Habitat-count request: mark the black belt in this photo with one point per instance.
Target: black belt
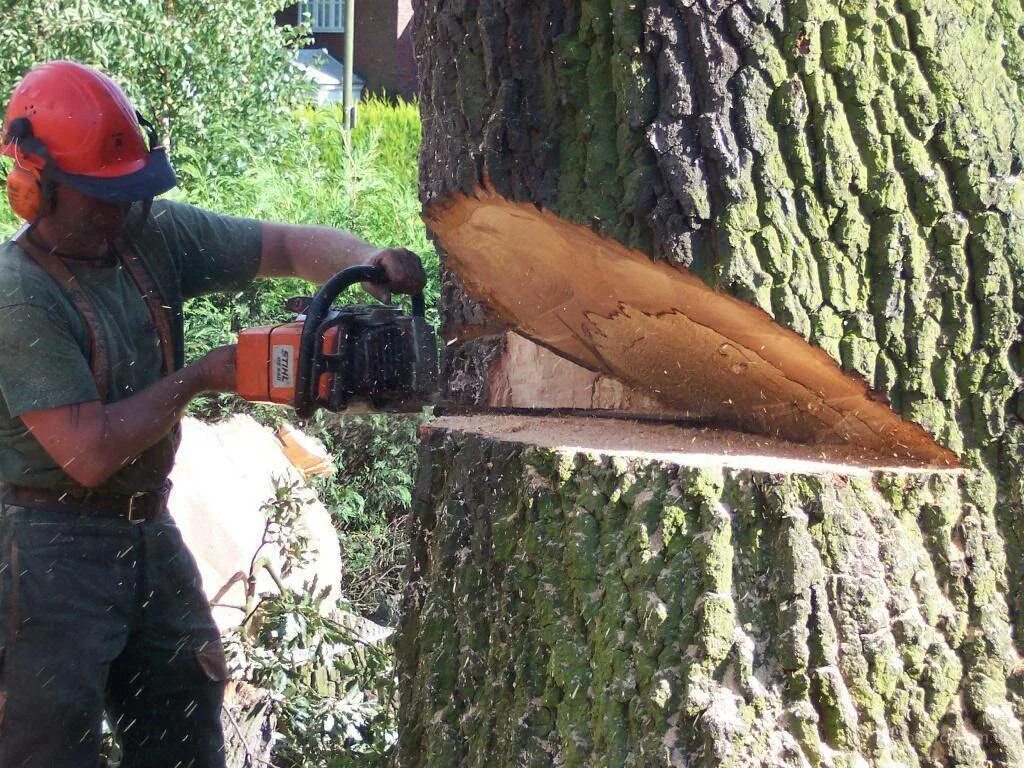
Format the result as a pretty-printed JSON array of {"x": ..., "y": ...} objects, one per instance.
[{"x": 137, "y": 506}]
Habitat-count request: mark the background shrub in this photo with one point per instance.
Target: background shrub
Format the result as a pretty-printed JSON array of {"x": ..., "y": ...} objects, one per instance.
[
  {"x": 365, "y": 182},
  {"x": 214, "y": 76}
]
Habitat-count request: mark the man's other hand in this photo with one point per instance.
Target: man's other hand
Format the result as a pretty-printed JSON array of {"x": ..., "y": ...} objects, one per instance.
[
  {"x": 404, "y": 271},
  {"x": 91, "y": 441},
  {"x": 217, "y": 370}
]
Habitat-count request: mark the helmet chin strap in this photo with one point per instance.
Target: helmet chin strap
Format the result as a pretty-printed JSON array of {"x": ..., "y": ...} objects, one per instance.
[
  {"x": 47, "y": 193},
  {"x": 147, "y": 206},
  {"x": 32, "y": 236},
  {"x": 154, "y": 143},
  {"x": 151, "y": 135},
  {"x": 131, "y": 225}
]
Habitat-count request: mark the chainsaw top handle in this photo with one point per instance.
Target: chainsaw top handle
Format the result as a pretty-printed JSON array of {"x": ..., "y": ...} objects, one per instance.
[{"x": 318, "y": 307}]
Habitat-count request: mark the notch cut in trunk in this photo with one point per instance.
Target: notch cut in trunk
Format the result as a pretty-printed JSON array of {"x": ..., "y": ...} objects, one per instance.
[{"x": 662, "y": 330}]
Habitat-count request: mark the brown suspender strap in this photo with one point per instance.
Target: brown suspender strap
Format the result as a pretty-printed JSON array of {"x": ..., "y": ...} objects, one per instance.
[
  {"x": 144, "y": 283},
  {"x": 158, "y": 309},
  {"x": 57, "y": 269}
]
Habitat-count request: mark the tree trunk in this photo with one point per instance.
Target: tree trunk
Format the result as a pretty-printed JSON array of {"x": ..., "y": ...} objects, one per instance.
[
  {"x": 733, "y": 603},
  {"x": 795, "y": 218}
]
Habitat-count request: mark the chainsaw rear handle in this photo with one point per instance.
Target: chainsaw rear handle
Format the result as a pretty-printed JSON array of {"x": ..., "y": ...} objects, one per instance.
[{"x": 319, "y": 306}]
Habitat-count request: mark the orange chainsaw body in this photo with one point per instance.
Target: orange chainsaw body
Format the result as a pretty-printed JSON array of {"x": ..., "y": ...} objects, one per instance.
[
  {"x": 340, "y": 357},
  {"x": 267, "y": 359}
]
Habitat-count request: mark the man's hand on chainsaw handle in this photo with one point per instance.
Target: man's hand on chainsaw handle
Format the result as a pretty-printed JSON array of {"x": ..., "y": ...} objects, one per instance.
[
  {"x": 404, "y": 270},
  {"x": 318, "y": 253},
  {"x": 91, "y": 441}
]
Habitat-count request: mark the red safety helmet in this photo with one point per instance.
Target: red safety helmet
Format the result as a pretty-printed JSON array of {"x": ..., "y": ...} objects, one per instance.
[{"x": 71, "y": 124}]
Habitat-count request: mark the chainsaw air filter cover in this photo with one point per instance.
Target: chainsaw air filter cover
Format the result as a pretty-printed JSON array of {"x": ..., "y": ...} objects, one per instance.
[{"x": 375, "y": 354}]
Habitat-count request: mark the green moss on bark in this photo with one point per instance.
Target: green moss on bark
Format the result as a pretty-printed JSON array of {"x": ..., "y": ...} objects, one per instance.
[
  {"x": 575, "y": 609},
  {"x": 854, "y": 169}
]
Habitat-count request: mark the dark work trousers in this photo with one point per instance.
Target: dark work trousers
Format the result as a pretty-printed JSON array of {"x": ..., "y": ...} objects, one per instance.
[{"x": 107, "y": 615}]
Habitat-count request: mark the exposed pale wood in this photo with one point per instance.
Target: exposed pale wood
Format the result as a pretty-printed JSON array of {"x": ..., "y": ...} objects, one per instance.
[
  {"x": 527, "y": 375},
  {"x": 660, "y": 329},
  {"x": 679, "y": 445}
]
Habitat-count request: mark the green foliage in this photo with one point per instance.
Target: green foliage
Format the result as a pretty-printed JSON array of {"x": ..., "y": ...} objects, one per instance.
[
  {"x": 8, "y": 221},
  {"x": 370, "y": 498},
  {"x": 374, "y": 454},
  {"x": 332, "y": 690},
  {"x": 215, "y": 77},
  {"x": 364, "y": 182},
  {"x": 396, "y": 128}
]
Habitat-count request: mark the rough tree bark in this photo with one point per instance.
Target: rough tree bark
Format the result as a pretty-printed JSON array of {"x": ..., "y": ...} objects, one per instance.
[
  {"x": 851, "y": 172},
  {"x": 687, "y": 607}
]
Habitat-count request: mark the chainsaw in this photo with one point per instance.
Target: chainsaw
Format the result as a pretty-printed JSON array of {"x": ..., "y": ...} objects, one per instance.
[{"x": 363, "y": 357}]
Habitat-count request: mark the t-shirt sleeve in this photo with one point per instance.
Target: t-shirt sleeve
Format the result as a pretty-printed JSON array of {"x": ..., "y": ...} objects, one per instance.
[
  {"x": 41, "y": 364},
  {"x": 213, "y": 252}
]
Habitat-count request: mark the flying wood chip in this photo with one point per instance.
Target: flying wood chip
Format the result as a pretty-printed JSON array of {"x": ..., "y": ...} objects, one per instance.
[{"x": 660, "y": 329}]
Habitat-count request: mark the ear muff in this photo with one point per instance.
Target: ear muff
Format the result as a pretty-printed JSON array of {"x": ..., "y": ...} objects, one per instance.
[
  {"x": 25, "y": 182},
  {"x": 25, "y": 192}
]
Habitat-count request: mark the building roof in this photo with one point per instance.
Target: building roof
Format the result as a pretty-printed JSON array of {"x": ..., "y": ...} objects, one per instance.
[{"x": 323, "y": 69}]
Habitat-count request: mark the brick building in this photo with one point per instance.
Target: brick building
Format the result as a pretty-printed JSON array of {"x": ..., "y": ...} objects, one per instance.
[{"x": 383, "y": 55}]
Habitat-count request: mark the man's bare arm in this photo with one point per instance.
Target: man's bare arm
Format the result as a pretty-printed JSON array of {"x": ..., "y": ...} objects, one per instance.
[
  {"x": 317, "y": 253},
  {"x": 91, "y": 441}
]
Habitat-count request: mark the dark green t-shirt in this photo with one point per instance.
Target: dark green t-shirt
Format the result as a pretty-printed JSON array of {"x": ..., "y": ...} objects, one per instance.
[{"x": 45, "y": 344}]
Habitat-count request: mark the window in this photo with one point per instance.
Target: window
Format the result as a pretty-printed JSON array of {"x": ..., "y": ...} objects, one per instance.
[{"x": 324, "y": 15}]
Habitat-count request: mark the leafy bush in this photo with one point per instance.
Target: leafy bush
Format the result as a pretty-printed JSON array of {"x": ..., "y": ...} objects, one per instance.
[
  {"x": 215, "y": 77},
  {"x": 8, "y": 221},
  {"x": 369, "y": 500},
  {"x": 365, "y": 182},
  {"x": 374, "y": 454},
  {"x": 332, "y": 689},
  {"x": 333, "y": 692}
]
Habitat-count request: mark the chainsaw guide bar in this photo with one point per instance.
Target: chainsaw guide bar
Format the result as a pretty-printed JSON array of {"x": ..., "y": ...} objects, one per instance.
[{"x": 695, "y": 422}]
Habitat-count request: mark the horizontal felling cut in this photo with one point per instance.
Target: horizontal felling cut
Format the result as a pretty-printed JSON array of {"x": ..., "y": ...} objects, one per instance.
[
  {"x": 660, "y": 329},
  {"x": 679, "y": 445}
]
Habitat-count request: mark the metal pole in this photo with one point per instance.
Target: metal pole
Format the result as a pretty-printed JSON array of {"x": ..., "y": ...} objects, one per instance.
[{"x": 350, "y": 33}]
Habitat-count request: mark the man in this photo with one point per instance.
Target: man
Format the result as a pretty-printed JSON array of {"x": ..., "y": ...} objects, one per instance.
[{"x": 100, "y": 602}]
